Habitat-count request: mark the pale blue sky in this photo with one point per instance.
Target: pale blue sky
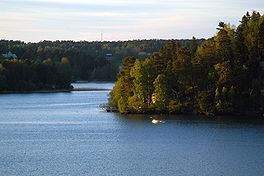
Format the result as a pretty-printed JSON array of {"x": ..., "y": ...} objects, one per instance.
[{"x": 35, "y": 20}]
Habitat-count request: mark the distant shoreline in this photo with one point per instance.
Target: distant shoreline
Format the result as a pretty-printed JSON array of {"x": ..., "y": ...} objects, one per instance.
[
  {"x": 57, "y": 91},
  {"x": 90, "y": 89},
  {"x": 36, "y": 91},
  {"x": 93, "y": 81}
]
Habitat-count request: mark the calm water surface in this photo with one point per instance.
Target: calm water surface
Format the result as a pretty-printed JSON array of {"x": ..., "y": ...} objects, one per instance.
[
  {"x": 67, "y": 134},
  {"x": 104, "y": 85}
]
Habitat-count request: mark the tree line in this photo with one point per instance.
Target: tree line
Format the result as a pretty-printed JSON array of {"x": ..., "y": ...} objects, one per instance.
[
  {"x": 26, "y": 75},
  {"x": 55, "y": 64},
  {"x": 223, "y": 75}
]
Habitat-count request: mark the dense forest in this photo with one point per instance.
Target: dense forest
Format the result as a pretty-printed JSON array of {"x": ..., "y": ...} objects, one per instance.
[
  {"x": 224, "y": 75},
  {"x": 20, "y": 75},
  {"x": 54, "y": 65}
]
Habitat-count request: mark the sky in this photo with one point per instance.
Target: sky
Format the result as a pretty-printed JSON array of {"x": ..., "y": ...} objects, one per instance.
[{"x": 38, "y": 20}]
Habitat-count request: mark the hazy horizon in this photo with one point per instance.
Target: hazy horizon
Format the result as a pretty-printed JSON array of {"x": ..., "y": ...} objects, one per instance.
[
  {"x": 103, "y": 40},
  {"x": 39, "y": 20}
]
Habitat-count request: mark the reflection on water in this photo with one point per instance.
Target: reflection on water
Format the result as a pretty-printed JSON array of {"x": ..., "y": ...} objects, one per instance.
[{"x": 68, "y": 134}]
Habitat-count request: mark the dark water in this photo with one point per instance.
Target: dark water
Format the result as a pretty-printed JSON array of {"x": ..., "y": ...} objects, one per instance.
[{"x": 67, "y": 134}]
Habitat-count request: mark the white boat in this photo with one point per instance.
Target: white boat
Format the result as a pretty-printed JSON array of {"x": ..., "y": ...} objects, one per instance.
[{"x": 154, "y": 121}]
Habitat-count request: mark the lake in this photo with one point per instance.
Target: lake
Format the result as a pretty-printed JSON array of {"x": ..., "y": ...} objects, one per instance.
[{"x": 68, "y": 134}]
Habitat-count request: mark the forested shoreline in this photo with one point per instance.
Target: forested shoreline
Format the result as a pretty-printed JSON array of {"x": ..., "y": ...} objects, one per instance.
[
  {"x": 25, "y": 75},
  {"x": 224, "y": 75},
  {"x": 53, "y": 65}
]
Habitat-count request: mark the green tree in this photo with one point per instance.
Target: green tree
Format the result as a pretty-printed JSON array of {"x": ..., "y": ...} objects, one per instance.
[
  {"x": 143, "y": 82},
  {"x": 205, "y": 103},
  {"x": 161, "y": 92},
  {"x": 123, "y": 88}
]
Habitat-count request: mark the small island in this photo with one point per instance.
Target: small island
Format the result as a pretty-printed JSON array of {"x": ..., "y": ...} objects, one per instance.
[{"x": 223, "y": 75}]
